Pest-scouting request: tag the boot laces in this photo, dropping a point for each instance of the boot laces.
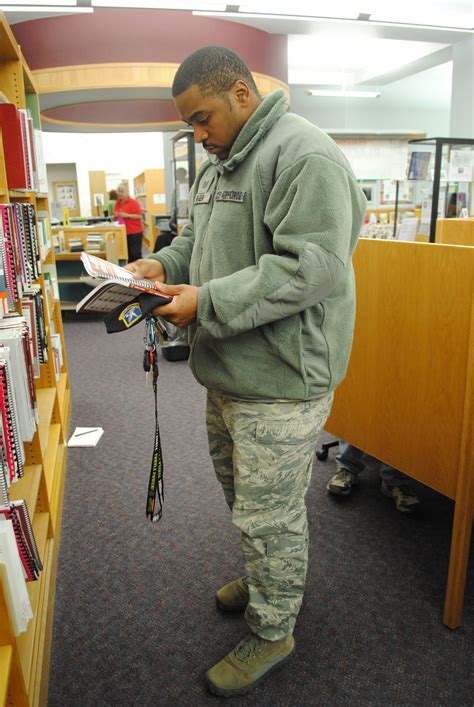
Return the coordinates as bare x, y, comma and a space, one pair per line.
248, 648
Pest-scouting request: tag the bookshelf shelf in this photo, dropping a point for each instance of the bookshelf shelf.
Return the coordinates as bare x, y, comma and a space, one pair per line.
149, 190
50, 456
25, 642
24, 659
62, 389
57, 490
28, 487
6, 658
46, 400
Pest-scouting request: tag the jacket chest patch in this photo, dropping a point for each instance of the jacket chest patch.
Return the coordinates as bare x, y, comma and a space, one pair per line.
231, 195
203, 197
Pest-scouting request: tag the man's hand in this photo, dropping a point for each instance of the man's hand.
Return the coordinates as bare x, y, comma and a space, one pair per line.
147, 269
183, 309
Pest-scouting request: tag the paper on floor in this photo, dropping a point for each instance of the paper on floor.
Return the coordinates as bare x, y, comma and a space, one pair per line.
85, 437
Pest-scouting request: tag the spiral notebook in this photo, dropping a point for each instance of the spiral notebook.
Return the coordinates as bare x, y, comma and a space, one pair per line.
117, 287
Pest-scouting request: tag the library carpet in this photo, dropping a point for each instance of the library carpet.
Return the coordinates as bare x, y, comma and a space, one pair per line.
135, 620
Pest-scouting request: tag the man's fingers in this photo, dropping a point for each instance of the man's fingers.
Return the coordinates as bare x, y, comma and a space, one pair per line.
170, 290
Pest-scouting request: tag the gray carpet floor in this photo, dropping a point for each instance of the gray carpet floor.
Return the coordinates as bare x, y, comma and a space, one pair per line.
135, 620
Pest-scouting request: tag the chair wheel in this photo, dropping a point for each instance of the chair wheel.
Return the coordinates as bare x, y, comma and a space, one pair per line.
323, 455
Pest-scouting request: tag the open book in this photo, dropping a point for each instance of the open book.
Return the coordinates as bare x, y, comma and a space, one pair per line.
116, 287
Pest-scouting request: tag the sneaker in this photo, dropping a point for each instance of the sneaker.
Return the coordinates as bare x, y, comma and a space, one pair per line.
342, 482
405, 498
250, 662
233, 596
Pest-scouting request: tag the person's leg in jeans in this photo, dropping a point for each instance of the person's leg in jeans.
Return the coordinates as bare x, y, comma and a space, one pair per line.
395, 484
134, 243
350, 462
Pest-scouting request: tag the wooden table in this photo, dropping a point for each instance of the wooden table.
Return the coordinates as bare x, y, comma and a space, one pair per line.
408, 397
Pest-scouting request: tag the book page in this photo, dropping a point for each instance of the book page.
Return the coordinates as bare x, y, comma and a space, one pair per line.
97, 267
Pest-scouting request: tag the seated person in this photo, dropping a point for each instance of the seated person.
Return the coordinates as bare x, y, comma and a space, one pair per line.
394, 484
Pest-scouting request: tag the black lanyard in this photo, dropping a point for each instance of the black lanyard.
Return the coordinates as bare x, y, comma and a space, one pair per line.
155, 496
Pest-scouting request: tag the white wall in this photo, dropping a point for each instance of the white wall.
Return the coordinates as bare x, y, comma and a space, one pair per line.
462, 99
123, 153
418, 103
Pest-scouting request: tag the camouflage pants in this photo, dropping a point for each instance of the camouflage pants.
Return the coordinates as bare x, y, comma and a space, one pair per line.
262, 455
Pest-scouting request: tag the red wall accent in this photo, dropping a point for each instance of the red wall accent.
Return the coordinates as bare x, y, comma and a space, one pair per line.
138, 35
116, 112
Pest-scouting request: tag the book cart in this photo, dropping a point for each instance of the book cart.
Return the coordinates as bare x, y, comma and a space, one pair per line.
24, 660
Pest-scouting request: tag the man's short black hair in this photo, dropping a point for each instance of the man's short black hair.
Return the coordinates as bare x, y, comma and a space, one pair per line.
214, 70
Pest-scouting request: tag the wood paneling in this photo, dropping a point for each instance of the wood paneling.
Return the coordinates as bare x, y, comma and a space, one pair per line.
458, 231
138, 75
98, 185
409, 385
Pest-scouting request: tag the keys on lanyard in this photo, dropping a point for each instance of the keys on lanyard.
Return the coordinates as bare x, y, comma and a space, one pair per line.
154, 330
155, 495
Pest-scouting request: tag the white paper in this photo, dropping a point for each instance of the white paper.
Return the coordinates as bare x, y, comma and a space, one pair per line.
85, 437
426, 210
461, 165
407, 230
159, 199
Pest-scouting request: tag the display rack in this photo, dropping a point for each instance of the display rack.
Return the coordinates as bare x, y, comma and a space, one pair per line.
24, 660
188, 155
440, 184
149, 191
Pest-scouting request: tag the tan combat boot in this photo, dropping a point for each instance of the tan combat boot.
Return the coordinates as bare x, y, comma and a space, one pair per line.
249, 663
233, 596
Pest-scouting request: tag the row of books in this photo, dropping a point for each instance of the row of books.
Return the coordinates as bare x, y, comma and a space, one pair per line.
18, 422
23, 150
20, 263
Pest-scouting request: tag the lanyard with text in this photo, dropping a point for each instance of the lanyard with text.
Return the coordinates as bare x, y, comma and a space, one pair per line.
155, 496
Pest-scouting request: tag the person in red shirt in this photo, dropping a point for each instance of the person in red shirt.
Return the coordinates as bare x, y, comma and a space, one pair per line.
130, 211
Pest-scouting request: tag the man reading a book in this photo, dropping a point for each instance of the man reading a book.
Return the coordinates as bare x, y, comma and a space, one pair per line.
263, 275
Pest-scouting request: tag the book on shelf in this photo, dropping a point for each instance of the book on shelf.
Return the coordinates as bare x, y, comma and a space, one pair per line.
16, 594
44, 232
95, 242
17, 365
75, 244
20, 145
57, 354
116, 286
19, 249
50, 274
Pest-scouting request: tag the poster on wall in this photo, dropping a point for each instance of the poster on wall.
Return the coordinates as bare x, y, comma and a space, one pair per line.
419, 164
66, 195
389, 192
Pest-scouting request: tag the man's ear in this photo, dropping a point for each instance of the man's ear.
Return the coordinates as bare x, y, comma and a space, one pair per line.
241, 92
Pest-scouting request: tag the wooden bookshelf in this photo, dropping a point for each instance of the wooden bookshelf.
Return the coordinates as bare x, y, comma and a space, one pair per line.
148, 187
24, 659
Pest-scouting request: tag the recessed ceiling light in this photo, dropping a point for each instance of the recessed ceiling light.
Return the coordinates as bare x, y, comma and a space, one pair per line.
58, 9
342, 93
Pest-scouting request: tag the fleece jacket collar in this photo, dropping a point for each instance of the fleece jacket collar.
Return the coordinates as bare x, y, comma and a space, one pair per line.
270, 109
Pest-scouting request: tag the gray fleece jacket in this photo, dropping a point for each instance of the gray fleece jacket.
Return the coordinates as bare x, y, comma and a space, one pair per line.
270, 241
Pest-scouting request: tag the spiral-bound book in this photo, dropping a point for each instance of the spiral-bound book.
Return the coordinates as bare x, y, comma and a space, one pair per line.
117, 286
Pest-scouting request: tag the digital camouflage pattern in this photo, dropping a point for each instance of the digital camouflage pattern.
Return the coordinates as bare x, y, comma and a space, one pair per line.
263, 454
